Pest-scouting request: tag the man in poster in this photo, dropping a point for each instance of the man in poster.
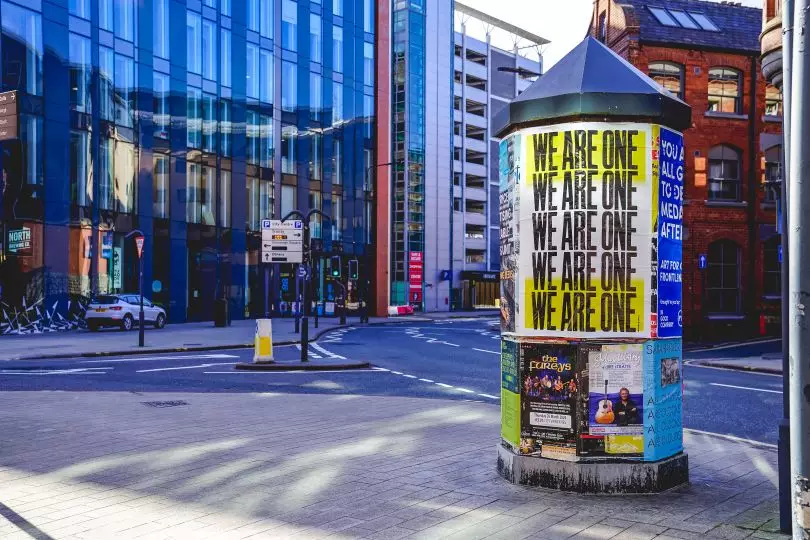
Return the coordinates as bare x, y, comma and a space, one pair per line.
626, 409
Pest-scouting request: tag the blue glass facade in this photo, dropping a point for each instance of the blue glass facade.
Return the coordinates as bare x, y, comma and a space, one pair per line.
191, 121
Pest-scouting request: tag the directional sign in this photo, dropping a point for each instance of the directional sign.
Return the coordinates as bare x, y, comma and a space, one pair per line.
139, 245
303, 271
9, 125
702, 261
282, 241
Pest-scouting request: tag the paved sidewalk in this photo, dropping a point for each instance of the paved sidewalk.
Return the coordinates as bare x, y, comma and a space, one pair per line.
181, 337
95, 465
766, 363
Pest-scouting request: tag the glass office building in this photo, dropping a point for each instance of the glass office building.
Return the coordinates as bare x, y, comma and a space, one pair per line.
190, 121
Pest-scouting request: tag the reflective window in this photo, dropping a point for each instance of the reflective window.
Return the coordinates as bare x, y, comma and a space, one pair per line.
724, 173
771, 268
209, 50
125, 19
315, 38
773, 101
773, 173
669, 76
337, 102
194, 43
225, 128
207, 195
160, 28
368, 169
368, 115
259, 202
266, 67
337, 161
315, 202
316, 156
315, 95
289, 86
105, 82
252, 142
266, 12
81, 166
210, 3
368, 15
124, 91
723, 277
253, 15
368, 64
337, 49
289, 25
209, 126
194, 118
224, 193
289, 139
79, 8
81, 73
266, 141
160, 185
225, 57
337, 7
288, 203
105, 15
724, 90
124, 181
193, 189
22, 49
266, 199
106, 154
225, 7
337, 217
161, 117
252, 71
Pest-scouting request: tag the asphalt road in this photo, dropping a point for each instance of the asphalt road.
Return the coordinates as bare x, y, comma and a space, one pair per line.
452, 359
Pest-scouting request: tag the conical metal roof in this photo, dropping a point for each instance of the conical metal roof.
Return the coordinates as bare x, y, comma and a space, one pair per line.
592, 82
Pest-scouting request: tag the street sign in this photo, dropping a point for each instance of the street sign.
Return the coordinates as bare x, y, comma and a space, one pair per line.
303, 271
702, 261
780, 254
9, 114
282, 241
139, 245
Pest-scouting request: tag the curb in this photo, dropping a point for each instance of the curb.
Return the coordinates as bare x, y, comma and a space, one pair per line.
748, 369
300, 366
162, 350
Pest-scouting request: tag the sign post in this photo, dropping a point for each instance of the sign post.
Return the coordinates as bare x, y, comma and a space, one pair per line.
591, 256
139, 241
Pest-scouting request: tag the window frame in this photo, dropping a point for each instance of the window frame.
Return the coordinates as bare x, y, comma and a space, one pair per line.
771, 267
724, 160
723, 77
722, 287
661, 72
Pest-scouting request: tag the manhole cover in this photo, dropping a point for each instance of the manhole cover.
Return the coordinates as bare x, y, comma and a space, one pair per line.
164, 404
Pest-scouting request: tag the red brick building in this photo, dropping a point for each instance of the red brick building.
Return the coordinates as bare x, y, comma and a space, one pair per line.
708, 54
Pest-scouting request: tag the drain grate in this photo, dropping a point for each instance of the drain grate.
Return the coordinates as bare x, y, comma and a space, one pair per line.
164, 404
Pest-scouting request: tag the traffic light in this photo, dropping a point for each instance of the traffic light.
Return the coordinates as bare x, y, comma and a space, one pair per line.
334, 266
353, 269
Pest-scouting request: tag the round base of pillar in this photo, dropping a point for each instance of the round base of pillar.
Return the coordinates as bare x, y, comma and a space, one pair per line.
605, 476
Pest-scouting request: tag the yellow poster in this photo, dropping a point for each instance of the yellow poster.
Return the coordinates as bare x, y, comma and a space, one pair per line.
586, 230
510, 417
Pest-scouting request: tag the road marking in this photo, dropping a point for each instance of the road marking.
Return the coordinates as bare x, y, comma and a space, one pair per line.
295, 371
731, 438
309, 353
46, 371
466, 390
156, 358
444, 385
175, 368
397, 372
488, 396
746, 388
734, 345
691, 363
409, 376
327, 353
427, 380
486, 351
381, 369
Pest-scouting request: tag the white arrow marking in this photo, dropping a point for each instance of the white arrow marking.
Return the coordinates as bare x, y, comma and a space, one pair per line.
185, 367
486, 351
327, 353
155, 358
76, 371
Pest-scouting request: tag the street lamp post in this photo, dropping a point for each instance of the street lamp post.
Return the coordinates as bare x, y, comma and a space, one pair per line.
307, 260
139, 240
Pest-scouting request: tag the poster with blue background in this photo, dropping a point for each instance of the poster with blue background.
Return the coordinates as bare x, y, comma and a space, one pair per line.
670, 233
663, 398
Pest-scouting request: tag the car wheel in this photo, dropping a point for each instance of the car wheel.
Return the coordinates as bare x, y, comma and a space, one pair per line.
160, 322
126, 323
93, 327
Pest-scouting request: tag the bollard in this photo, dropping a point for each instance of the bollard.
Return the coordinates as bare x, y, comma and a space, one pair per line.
263, 342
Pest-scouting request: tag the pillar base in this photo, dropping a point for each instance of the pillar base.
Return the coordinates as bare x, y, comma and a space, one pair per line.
606, 476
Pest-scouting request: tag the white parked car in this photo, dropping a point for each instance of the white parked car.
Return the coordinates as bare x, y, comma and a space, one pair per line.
122, 310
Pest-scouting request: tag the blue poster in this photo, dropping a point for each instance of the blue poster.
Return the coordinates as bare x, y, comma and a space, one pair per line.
670, 233
663, 399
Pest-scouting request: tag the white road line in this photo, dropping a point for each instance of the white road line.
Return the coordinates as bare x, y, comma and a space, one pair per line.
692, 363
397, 372
735, 345
486, 351
444, 385
327, 353
488, 396
310, 353
156, 358
45, 371
427, 380
295, 371
731, 438
465, 390
381, 369
409, 376
175, 368
746, 388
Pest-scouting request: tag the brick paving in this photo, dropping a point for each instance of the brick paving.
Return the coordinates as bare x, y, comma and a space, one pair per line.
103, 465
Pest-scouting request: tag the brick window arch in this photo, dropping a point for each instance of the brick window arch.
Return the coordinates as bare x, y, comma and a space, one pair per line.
723, 278
725, 90
669, 75
724, 173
